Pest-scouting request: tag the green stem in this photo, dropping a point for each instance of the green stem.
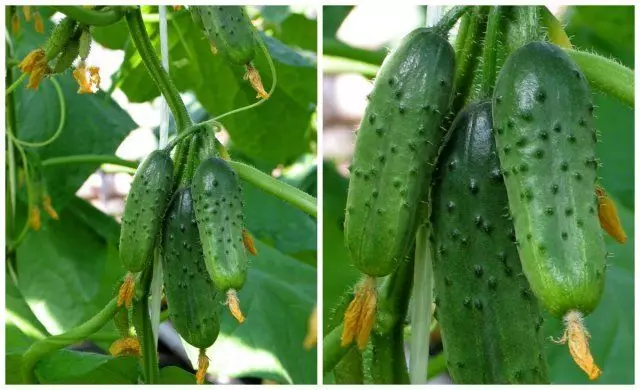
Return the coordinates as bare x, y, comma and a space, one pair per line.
89, 159
41, 348
555, 31
340, 65
144, 331
336, 48
286, 192
61, 122
421, 311
437, 365
11, 128
606, 75
274, 81
16, 84
332, 351
490, 50
451, 18
90, 16
143, 44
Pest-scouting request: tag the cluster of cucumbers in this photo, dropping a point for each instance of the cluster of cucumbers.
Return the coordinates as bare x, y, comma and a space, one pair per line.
188, 209
506, 186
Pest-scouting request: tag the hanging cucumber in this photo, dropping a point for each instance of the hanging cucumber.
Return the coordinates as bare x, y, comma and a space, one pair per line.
217, 198
489, 319
547, 147
396, 150
192, 297
142, 217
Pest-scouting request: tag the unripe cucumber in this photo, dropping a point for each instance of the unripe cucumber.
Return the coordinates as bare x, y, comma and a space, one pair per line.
68, 55
144, 209
396, 150
192, 298
230, 30
217, 197
547, 147
489, 319
60, 36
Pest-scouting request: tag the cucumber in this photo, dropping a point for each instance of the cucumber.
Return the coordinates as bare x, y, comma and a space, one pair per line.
68, 55
217, 198
489, 319
61, 34
229, 30
192, 297
396, 150
144, 209
547, 148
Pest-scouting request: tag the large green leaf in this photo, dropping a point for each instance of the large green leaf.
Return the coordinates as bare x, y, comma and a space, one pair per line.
277, 131
67, 271
73, 367
172, 375
277, 300
611, 324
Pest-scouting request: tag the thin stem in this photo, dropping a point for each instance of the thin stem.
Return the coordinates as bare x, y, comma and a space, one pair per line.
27, 181
90, 16
143, 44
336, 48
89, 159
144, 330
332, 351
11, 124
61, 122
451, 18
41, 348
421, 311
341, 65
290, 194
555, 31
606, 75
16, 84
490, 50
274, 81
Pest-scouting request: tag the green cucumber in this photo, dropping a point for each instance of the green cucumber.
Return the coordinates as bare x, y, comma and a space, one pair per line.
217, 198
68, 55
61, 34
546, 141
489, 319
397, 146
192, 297
230, 31
144, 209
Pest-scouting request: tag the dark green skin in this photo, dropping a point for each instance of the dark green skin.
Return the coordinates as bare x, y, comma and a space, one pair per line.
146, 203
384, 359
61, 34
490, 320
396, 150
547, 146
69, 53
230, 30
217, 197
191, 295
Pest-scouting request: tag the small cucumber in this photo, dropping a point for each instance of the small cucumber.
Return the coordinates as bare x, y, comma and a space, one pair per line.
217, 198
68, 55
547, 148
144, 209
192, 298
396, 150
489, 319
229, 30
61, 34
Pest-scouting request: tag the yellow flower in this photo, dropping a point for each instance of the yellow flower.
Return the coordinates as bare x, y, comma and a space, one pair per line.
256, 82
126, 346
26, 10
34, 218
88, 78
15, 23
38, 23
35, 64
203, 366
247, 240
46, 204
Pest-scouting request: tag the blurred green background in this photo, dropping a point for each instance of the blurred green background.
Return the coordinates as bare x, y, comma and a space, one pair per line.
607, 30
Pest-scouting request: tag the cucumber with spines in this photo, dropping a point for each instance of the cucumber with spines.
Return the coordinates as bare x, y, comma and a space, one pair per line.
489, 319
396, 150
545, 135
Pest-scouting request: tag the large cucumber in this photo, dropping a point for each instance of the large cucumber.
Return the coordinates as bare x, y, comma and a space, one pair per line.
229, 30
396, 150
192, 297
144, 209
490, 320
546, 140
217, 197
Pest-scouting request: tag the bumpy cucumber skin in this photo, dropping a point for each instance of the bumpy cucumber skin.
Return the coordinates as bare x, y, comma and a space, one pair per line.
68, 55
218, 204
490, 320
383, 359
191, 295
230, 31
61, 34
397, 146
547, 143
143, 212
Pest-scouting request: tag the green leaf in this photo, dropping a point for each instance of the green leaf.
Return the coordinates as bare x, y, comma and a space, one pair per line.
611, 324
277, 132
114, 36
277, 300
332, 17
339, 274
67, 271
176, 376
73, 367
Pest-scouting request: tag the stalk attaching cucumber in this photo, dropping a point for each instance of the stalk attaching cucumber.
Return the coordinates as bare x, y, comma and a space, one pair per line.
489, 319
